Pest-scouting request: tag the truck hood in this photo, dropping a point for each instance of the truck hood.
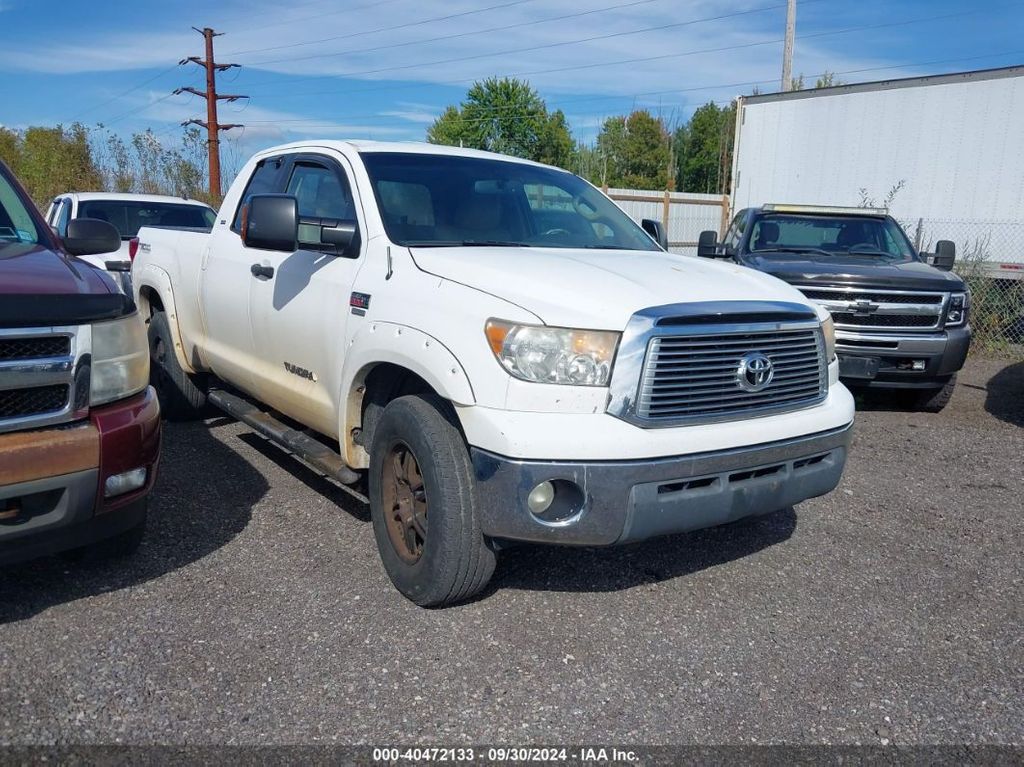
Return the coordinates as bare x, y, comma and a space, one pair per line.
598, 289
856, 272
40, 286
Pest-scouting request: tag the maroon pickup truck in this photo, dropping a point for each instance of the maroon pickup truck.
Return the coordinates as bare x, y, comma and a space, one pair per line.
79, 424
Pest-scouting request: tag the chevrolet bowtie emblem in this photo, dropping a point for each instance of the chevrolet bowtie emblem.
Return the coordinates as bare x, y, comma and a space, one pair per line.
863, 307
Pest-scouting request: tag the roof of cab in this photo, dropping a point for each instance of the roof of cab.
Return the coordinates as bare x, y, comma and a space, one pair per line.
364, 146
129, 197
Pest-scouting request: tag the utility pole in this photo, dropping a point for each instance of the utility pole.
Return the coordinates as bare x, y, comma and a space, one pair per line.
213, 128
787, 50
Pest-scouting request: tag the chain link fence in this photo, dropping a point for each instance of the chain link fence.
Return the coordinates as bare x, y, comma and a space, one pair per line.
990, 258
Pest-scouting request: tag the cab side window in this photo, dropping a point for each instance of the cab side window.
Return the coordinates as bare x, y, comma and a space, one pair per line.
63, 216
264, 180
321, 192
735, 232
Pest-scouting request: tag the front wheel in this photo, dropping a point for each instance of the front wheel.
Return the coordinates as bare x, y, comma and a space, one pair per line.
422, 503
180, 398
933, 400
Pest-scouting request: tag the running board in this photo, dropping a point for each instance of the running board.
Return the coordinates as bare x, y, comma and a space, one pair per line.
312, 451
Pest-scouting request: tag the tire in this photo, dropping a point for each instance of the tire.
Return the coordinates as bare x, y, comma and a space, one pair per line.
427, 530
934, 400
119, 546
180, 398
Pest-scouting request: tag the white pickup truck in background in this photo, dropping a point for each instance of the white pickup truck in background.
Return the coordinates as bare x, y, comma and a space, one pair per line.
128, 213
497, 349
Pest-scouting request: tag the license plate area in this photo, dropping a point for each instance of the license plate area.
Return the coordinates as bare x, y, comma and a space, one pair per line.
858, 367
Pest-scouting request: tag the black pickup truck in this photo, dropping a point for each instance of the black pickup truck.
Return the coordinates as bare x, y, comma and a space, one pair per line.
901, 316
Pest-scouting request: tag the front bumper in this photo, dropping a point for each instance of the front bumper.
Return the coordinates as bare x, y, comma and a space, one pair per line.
52, 480
626, 501
885, 360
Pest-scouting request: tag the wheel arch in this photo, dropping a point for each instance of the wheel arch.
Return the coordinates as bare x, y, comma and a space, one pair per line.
153, 292
388, 361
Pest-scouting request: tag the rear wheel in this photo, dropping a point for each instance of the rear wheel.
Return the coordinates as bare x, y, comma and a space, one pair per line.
423, 506
180, 398
934, 400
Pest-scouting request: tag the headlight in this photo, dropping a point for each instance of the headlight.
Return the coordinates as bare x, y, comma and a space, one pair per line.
120, 359
956, 311
828, 330
553, 355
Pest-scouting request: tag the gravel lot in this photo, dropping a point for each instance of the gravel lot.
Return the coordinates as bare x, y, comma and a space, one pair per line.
257, 612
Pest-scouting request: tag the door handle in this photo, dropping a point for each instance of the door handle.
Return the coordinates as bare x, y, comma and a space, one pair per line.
259, 270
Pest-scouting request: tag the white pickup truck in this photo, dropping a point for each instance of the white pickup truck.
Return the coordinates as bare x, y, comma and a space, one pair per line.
497, 349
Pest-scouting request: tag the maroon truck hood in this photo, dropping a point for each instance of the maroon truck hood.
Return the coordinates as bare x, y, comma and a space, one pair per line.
39, 286
37, 270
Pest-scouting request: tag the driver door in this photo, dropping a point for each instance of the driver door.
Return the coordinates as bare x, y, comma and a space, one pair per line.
299, 313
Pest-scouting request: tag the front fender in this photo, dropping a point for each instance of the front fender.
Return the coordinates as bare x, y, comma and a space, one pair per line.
406, 347
155, 278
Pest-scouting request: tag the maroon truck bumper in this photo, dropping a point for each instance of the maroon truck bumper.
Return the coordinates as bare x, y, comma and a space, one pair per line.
52, 481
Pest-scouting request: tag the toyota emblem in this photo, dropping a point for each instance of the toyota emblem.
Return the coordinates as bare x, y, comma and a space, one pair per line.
755, 372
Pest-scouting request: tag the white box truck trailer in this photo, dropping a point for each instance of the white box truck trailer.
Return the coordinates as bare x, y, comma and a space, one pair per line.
953, 144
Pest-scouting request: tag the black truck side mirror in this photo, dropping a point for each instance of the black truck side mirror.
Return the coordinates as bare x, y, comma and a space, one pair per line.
91, 236
656, 230
707, 244
945, 255
271, 222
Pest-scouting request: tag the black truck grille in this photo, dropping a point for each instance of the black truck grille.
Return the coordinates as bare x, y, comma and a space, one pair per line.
697, 376
884, 320
36, 348
19, 403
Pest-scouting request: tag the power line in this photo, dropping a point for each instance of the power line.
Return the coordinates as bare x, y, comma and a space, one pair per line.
446, 17
517, 25
529, 49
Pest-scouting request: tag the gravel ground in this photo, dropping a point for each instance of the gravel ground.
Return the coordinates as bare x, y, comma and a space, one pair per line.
257, 612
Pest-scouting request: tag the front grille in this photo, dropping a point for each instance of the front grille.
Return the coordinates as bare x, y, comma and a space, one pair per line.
884, 320
881, 310
33, 348
19, 403
840, 294
697, 376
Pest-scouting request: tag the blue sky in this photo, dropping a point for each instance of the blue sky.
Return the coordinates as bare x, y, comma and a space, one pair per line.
385, 69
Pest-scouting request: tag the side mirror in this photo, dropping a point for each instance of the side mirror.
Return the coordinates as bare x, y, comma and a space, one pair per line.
90, 236
343, 235
271, 222
945, 255
657, 231
707, 244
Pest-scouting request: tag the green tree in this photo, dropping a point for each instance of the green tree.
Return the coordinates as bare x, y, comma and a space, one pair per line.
508, 116
634, 151
49, 161
703, 150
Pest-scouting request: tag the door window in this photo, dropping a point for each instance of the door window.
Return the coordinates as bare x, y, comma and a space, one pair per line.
321, 193
264, 180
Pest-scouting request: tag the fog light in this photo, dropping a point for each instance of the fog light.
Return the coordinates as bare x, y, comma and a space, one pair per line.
119, 484
541, 497
919, 364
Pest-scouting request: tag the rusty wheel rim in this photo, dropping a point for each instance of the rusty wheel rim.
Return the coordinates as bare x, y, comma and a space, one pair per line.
404, 502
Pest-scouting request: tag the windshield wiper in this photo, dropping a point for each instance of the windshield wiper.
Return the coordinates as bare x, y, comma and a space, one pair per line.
816, 251
465, 244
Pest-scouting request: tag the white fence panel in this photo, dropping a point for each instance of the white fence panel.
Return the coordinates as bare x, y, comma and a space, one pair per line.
688, 214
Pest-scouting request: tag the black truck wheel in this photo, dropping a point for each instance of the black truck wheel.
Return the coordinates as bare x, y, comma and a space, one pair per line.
934, 400
180, 398
423, 504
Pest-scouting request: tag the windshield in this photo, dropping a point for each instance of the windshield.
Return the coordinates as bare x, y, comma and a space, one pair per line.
830, 236
446, 201
16, 223
129, 216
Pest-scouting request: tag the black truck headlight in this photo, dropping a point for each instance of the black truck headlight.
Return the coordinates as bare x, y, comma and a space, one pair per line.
957, 309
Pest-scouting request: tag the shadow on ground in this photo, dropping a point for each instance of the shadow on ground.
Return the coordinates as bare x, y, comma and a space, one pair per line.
203, 498
1004, 394
554, 568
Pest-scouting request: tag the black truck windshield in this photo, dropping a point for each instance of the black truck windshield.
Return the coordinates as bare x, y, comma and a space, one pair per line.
16, 224
825, 236
435, 200
128, 216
